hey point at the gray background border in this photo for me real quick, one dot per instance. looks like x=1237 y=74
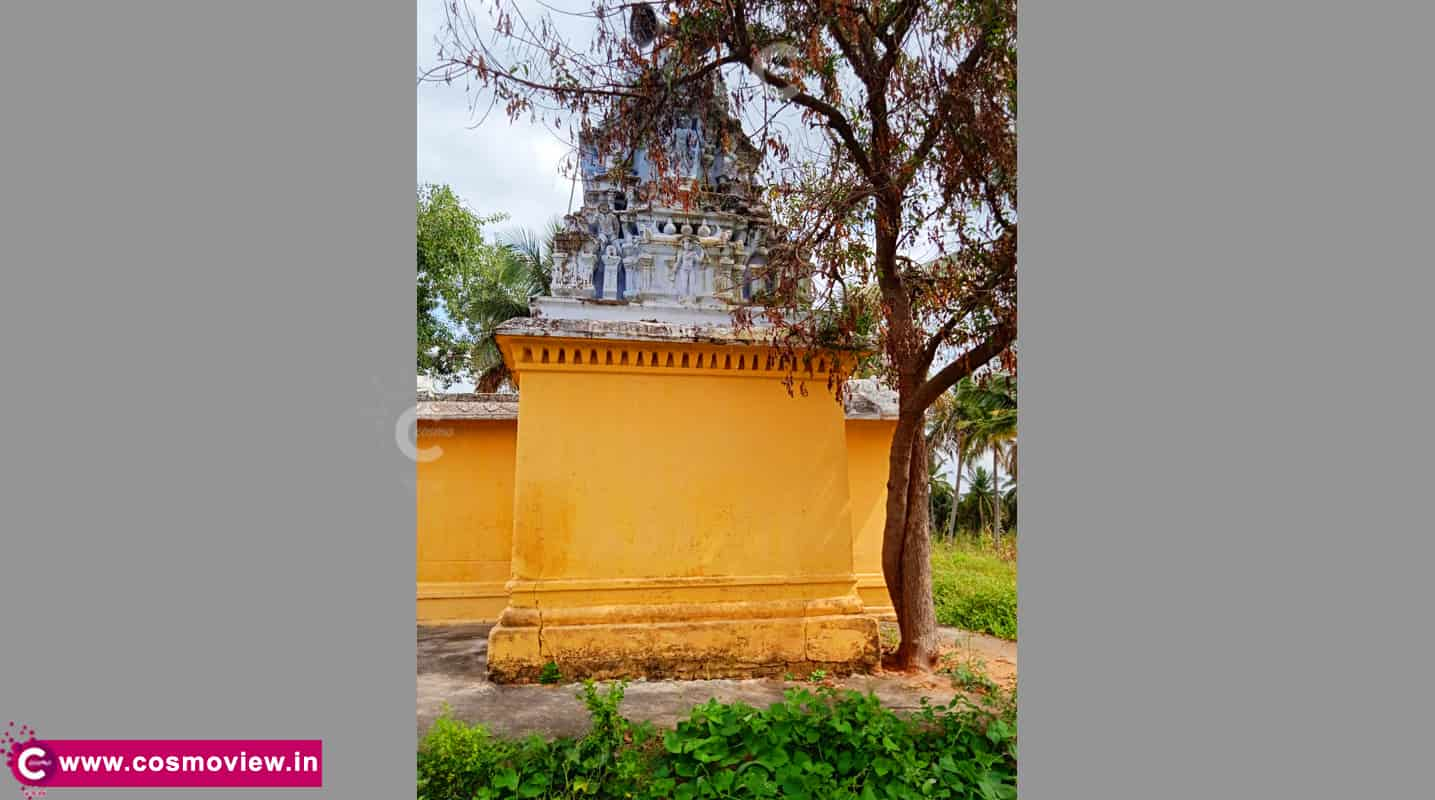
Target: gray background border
x=207 y=325
x=1224 y=279
x=206 y=314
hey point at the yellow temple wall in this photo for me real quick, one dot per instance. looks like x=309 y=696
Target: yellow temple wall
x=869 y=442
x=466 y=496
x=676 y=513
x=677 y=478
x=465 y=518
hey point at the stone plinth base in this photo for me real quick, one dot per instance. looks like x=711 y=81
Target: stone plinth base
x=689 y=649
x=873 y=590
x=473 y=601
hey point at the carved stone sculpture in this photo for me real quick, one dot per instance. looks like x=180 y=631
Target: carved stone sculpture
x=676 y=243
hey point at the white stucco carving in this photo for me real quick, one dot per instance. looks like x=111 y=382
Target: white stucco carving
x=683 y=244
x=869 y=398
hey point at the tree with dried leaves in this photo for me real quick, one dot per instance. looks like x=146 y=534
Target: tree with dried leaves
x=888 y=132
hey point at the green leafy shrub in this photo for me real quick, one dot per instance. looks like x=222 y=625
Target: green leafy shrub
x=811 y=745
x=838 y=745
x=461 y=762
x=550 y=673
x=974 y=588
x=456 y=760
x=969 y=674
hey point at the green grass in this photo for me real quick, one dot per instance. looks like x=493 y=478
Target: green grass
x=974 y=586
x=826 y=745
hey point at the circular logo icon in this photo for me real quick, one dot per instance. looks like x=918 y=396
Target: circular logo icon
x=34 y=763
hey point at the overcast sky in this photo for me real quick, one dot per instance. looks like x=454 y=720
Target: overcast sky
x=512 y=168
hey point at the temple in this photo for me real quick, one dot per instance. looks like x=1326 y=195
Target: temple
x=655 y=501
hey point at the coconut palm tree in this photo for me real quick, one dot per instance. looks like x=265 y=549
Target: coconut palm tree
x=507 y=277
x=991 y=411
x=984 y=491
x=948 y=431
x=536 y=255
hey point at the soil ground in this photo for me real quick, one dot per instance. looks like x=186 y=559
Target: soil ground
x=452 y=670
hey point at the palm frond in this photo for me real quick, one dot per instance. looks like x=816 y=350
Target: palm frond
x=535 y=254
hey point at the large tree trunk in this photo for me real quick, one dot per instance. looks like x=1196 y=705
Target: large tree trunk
x=996 y=500
x=906 y=547
x=920 y=641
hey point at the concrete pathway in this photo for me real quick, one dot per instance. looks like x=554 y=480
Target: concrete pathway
x=452 y=669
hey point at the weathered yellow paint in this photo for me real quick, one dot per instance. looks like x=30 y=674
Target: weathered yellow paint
x=466 y=498
x=677 y=512
x=465 y=519
x=869 y=443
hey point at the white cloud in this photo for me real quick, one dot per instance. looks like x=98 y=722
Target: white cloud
x=497 y=166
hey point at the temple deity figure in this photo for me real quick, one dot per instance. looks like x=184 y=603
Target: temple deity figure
x=565 y=276
x=633 y=283
x=586 y=266
x=589 y=219
x=688 y=151
x=690 y=267
x=610 y=230
x=612 y=273
x=724 y=171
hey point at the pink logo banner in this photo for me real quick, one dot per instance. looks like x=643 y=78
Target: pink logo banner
x=164 y=763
